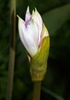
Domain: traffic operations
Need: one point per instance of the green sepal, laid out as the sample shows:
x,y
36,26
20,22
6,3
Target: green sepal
x,y
38,64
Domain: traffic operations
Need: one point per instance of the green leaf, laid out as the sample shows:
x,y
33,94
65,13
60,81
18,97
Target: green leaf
x,y
55,18
57,97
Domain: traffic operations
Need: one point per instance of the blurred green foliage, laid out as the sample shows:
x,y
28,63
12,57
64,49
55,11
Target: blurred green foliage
x,y
56,84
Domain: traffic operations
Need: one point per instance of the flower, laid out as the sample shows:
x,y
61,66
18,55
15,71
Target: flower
x,y
32,31
35,38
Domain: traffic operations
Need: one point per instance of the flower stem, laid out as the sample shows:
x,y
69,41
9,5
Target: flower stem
x,y
36,90
12,49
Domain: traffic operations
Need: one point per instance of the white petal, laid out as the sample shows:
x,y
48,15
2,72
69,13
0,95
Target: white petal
x,y
32,30
26,39
28,15
38,20
21,23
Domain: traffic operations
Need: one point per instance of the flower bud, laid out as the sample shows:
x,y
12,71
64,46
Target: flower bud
x,y
35,38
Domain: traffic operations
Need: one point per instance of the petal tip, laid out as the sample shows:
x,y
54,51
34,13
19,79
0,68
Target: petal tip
x,y
35,9
18,16
28,9
32,12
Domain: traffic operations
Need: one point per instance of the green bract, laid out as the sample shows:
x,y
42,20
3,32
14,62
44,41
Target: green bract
x,y
38,64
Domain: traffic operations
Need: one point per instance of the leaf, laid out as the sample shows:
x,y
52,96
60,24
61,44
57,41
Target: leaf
x,y
55,18
57,97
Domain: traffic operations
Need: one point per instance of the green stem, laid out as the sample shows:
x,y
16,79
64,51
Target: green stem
x,y
37,90
12,49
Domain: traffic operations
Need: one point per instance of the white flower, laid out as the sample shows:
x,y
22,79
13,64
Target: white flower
x,y
32,31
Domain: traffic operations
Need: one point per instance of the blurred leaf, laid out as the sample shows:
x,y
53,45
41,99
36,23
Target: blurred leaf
x,y
29,97
57,97
55,18
3,82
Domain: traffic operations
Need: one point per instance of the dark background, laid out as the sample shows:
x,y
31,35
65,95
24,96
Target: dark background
x,y
56,84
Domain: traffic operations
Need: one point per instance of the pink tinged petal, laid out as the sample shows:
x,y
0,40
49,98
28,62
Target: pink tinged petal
x,y
26,23
26,38
28,15
38,20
